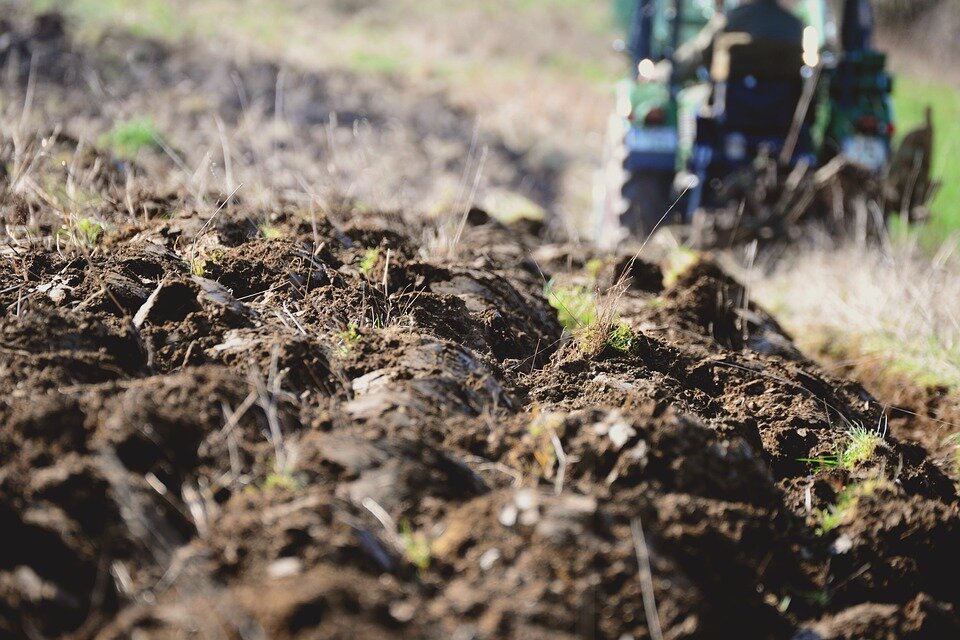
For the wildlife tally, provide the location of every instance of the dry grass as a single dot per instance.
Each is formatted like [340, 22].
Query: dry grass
[537, 74]
[898, 307]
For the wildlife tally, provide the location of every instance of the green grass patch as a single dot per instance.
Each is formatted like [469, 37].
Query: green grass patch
[416, 546]
[911, 98]
[623, 339]
[144, 18]
[369, 260]
[858, 447]
[128, 138]
[376, 63]
[927, 362]
[270, 232]
[844, 509]
[285, 481]
[576, 305]
[347, 340]
[85, 232]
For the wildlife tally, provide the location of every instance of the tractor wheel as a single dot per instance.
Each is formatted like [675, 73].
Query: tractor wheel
[648, 198]
[608, 185]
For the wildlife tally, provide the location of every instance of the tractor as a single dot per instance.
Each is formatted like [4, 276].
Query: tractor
[748, 146]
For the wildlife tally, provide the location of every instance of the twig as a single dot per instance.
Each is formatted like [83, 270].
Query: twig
[203, 229]
[646, 580]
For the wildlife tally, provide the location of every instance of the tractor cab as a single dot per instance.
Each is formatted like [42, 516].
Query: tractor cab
[761, 105]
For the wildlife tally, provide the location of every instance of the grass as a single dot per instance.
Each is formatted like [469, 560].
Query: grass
[85, 232]
[416, 546]
[347, 340]
[837, 514]
[576, 305]
[911, 97]
[858, 447]
[622, 338]
[369, 260]
[158, 18]
[128, 138]
[894, 311]
[844, 509]
[286, 481]
[270, 232]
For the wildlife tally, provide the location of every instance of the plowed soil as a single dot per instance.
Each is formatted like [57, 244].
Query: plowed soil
[342, 432]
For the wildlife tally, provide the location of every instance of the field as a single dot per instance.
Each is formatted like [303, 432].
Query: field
[298, 339]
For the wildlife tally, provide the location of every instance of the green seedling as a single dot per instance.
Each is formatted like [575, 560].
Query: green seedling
[199, 265]
[576, 305]
[836, 514]
[860, 445]
[369, 260]
[679, 262]
[270, 232]
[86, 232]
[623, 339]
[594, 267]
[284, 480]
[416, 546]
[347, 340]
[127, 138]
[843, 511]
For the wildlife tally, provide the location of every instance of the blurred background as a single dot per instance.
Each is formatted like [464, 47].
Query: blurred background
[420, 83]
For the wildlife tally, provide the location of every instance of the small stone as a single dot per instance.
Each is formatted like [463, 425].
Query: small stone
[57, 294]
[621, 433]
[525, 499]
[403, 611]
[489, 558]
[284, 568]
[508, 517]
[529, 518]
[842, 544]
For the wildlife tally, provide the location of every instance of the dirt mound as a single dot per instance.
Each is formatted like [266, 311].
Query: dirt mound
[331, 433]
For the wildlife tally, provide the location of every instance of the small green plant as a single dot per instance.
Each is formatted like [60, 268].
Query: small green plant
[199, 265]
[347, 340]
[576, 305]
[836, 514]
[286, 480]
[679, 262]
[843, 511]
[594, 267]
[622, 338]
[127, 138]
[416, 546]
[270, 232]
[83, 231]
[859, 446]
[369, 260]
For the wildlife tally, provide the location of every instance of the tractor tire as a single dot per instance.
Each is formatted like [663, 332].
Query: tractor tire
[648, 197]
[609, 179]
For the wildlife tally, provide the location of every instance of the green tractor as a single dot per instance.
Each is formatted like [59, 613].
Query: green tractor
[685, 149]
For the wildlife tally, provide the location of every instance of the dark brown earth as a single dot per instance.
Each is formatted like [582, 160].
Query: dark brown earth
[342, 431]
